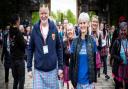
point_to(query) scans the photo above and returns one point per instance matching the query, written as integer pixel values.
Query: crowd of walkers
(65, 55)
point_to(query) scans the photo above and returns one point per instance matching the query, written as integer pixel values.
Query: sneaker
(107, 77)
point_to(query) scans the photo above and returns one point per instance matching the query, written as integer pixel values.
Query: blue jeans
(85, 86)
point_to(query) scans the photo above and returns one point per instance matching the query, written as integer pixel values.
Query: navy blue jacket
(45, 62)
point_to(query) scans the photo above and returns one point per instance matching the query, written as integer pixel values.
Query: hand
(70, 85)
(94, 83)
(60, 73)
(30, 74)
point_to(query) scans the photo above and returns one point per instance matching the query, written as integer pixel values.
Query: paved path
(101, 84)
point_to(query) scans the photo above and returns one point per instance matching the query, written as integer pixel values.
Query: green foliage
(59, 16)
(53, 15)
(91, 13)
(35, 17)
(71, 17)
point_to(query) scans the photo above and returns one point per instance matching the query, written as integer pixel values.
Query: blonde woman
(96, 33)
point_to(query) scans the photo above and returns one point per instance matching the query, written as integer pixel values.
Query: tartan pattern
(123, 73)
(85, 86)
(66, 74)
(45, 80)
(98, 60)
(104, 51)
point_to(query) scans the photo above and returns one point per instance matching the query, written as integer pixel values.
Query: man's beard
(44, 21)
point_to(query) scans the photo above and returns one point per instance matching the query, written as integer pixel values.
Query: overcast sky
(63, 5)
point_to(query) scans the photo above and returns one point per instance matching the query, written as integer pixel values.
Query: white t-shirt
(104, 42)
(44, 31)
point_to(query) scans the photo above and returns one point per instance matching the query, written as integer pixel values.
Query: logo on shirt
(53, 36)
(83, 50)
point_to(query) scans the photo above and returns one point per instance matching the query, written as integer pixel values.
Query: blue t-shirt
(83, 65)
(123, 51)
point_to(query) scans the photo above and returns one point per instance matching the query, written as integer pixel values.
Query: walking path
(101, 84)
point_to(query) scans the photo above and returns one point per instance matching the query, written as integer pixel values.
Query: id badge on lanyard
(45, 47)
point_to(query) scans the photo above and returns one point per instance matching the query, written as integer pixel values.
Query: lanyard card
(45, 49)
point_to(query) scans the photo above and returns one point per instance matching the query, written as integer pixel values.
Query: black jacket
(5, 53)
(66, 52)
(73, 69)
(17, 44)
(115, 56)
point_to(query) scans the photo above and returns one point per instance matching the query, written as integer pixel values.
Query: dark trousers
(104, 60)
(6, 74)
(18, 72)
(126, 85)
(118, 84)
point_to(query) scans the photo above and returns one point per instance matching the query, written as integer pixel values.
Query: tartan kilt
(104, 51)
(123, 73)
(45, 80)
(98, 60)
(66, 74)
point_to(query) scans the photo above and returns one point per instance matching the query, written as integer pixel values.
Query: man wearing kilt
(46, 46)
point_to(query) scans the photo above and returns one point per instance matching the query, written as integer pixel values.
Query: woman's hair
(14, 19)
(95, 17)
(83, 17)
(70, 26)
(123, 25)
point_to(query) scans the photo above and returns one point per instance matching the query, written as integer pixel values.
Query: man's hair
(14, 18)
(44, 6)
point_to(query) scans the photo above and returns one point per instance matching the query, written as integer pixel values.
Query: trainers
(107, 77)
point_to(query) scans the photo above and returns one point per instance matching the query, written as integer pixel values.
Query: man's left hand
(60, 73)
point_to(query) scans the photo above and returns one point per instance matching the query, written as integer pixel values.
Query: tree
(91, 13)
(10, 7)
(35, 17)
(71, 17)
(53, 15)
